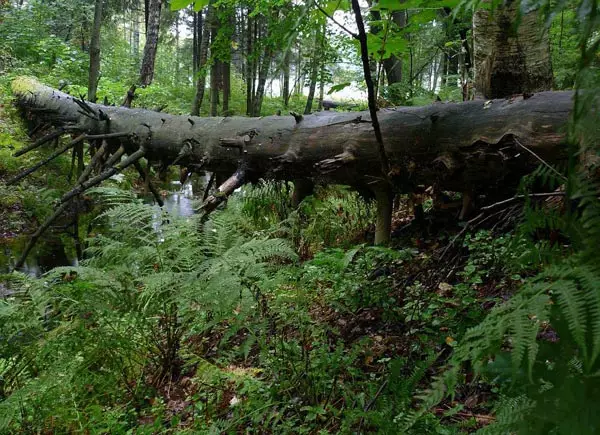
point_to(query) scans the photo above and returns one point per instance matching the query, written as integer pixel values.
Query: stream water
(51, 251)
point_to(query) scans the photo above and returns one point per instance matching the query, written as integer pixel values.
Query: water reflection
(180, 202)
(51, 252)
(48, 254)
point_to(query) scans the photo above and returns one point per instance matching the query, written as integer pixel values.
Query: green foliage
(334, 216)
(540, 348)
(222, 314)
(121, 316)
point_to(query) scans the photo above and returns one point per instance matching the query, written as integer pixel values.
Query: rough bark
(216, 68)
(196, 32)
(263, 73)
(226, 71)
(152, 28)
(509, 58)
(453, 146)
(94, 73)
(216, 83)
(321, 87)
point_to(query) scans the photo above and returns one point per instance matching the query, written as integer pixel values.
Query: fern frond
(572, 302)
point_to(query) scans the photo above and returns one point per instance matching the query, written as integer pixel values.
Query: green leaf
(339, 87)
(335, 5)
(396, 5)
(180, 4)
(200, 4)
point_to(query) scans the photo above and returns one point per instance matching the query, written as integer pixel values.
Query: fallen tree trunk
(471, 146)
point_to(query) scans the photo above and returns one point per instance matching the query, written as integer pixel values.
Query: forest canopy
(272, 216)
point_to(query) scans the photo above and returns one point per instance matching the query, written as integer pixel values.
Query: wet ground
(54, 251)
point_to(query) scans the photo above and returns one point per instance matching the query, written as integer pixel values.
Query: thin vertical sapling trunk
(314, 73)
(383, 188)
(202, 58)
(286, 78)
(94, 73)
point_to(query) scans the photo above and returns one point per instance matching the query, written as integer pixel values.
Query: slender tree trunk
(286, 78)
(177, 66)
(215, 85)
(298, 76)
(255, 62)
(152, 30)
(146, 14)
(94, 73)
(314, 73)
(321, 87)
(437, 63)
(263, 71)
(202, 58)
(262, 81)
(136, 39)
(249, 63)
(195, 44)
(216, 70)
(226, 71)
(226, 62)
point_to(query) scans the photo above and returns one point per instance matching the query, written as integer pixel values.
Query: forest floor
(344, 339)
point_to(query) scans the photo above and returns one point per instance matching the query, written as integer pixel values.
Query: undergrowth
(171, 324)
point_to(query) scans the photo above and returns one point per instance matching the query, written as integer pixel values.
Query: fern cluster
(120, 317)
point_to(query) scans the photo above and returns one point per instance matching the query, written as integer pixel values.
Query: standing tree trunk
(263, 73)
(195, 43)
(286, 78)
(249, 63)
(216, 69)
(509, 58)
(393, 64)
(263, 70)
(177, 66)
(94, 74)
(136, 39)
(152, 29)
(321, 87)
(215, 85)
(202, 58)
(314, 73)
(226, 64)
(226, 73)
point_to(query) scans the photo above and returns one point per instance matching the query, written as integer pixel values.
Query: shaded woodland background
(277, 314)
